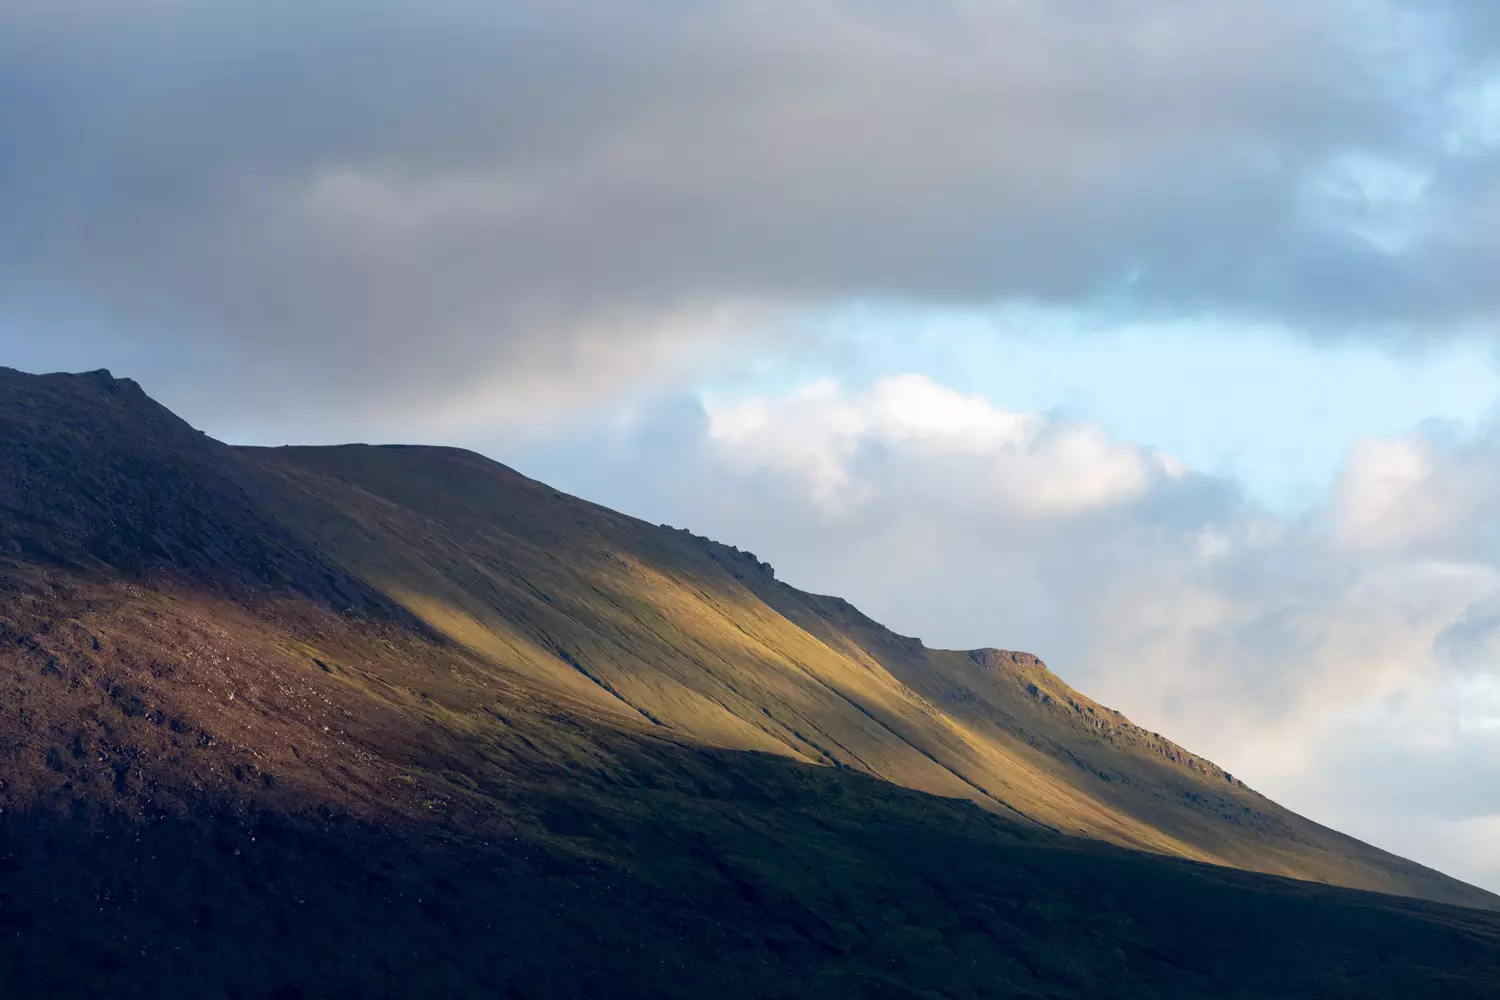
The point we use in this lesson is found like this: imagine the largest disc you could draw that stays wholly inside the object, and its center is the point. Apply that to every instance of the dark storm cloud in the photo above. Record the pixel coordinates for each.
(407, 202)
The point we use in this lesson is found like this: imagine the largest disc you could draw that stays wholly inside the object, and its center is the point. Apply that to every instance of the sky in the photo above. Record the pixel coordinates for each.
(1155, 337)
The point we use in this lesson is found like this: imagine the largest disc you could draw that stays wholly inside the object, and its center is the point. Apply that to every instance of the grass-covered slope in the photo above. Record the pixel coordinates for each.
(206, 799)
(398, 721)
(700, 638)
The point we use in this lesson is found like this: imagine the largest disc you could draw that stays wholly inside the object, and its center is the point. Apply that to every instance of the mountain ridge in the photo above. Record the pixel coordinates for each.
(420, 644)
(665, 625)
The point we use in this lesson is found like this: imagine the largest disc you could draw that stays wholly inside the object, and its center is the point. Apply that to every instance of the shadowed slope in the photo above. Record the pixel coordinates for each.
(96, 475)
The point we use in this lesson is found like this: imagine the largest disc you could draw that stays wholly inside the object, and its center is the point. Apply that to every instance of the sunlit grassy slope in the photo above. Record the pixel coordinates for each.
(399, 721)
(660, 625)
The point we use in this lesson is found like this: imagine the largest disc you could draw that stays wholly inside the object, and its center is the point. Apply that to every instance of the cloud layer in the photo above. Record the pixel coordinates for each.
(494, 209)
(1345, 660)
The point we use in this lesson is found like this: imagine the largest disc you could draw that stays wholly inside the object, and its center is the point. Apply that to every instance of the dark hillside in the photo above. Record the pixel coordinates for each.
(95, 475)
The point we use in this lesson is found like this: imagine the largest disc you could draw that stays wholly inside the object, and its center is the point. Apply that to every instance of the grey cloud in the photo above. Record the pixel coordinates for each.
(1471, 644)
(1456, 779)
(351, 207)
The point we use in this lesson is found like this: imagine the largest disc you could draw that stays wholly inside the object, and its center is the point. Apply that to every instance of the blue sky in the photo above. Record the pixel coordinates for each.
(1270, 409)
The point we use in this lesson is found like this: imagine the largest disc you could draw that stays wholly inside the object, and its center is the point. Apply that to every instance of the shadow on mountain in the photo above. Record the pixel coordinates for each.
(764, 879)
(95, 476)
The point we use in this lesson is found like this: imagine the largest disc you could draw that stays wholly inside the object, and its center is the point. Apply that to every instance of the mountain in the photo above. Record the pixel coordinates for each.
(400, 721)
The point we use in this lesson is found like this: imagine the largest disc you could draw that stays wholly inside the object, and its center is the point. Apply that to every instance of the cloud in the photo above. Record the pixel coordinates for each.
(1424, 493)
(841, 446)
(363, 207)
(1345, 660)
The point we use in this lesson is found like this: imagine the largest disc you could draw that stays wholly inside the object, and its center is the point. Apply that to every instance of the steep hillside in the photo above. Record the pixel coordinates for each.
(399, 721)
(98, 475)
(702, 639)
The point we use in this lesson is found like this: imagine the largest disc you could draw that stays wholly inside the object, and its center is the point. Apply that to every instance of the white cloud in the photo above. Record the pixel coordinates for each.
(1424, 493)
(843, 445)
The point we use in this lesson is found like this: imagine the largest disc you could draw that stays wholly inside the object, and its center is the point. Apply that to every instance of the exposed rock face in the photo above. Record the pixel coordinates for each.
(1001, 659)
(1042, 686)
